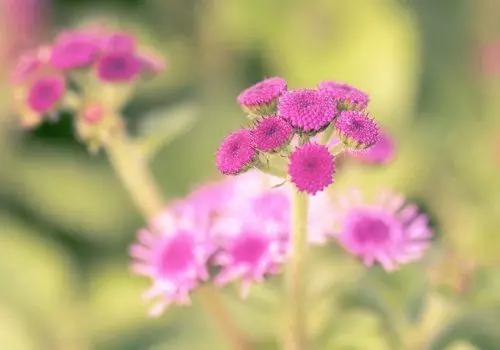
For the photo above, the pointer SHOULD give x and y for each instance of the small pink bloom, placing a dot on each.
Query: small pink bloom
(386, 231)
(118, 67)
(173, 253)
(311, 168)
(307, 110)
(93, 113)
(345, 95)
(236, 153)
(271, 134)
(119, 42)
(75, 49)
(45, 93)
(262, 97)
(381, 152)
(252, 234)
(356, 129)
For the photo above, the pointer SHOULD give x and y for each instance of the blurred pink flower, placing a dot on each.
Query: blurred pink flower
(387, 231)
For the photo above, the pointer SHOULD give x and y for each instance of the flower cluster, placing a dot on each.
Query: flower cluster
(297, 125)
(238, 231)
(75, 71)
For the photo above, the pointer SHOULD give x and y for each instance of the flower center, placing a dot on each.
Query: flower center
(249, 248)
(177, 255)
(371, 230)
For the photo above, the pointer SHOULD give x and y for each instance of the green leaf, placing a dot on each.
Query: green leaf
(479, 328)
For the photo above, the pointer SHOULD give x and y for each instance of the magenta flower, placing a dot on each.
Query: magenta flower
(356, 129)
(271, 134)
(381, 152)
(252, 234)
(118, 67)
(45, 93)
(173, 253)
(346, 96)
(307, 110)
(262, 97)
(311, 168)
(387, 231)
(236, 153)
(119, 42)
(75, 49)
(151, 63)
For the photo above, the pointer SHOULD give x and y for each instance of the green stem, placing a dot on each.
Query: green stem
(296, 337)
(131, 167)
(268, 169)
(327, 134)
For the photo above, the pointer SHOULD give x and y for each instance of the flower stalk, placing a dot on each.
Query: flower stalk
(296, 321)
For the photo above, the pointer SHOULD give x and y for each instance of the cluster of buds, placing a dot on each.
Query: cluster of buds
(306, 119)
(89, 72)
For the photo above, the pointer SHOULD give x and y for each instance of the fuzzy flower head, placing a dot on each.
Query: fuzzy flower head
(261, 98)
(387, 231)
(307, 110)
(119, 42)
(173, 253)
(346, 96)
(382, 152)
(356, 129)
(75, 49)
(118, 67)
(311, 168)
(45, 93)
(236, 153)
(271, 134)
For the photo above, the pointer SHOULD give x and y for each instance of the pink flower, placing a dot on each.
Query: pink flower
(118, 67)
(386, 231)
(151, 63)
(28, 65)
(119, 42)
(307, 110)
(381, 152)
(173, 253)
(311, 168)
(345, 95)
(236, 153)
(252, 233)
(75, 49)
(356, 129)
(262, 97)
(93, 113)
(45, 93)
(271, 134)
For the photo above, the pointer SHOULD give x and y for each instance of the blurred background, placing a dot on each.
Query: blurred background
(432, 69)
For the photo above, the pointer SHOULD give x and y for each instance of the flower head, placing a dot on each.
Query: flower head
(307, 110)
(75, 49)
(118, 67)
(236, 153)
(381, 152)
(93, 113)
(311, 168)
(45, 93)
(386, 231)
(173, 253)
(356, 129)
(345, 95)
(271, 134)
(26, 66)
(119, 42)
(262, 97)
(252, 234)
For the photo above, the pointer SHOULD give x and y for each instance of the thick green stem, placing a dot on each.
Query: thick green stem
(271, 170)
(296, 332)
(131, 167)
